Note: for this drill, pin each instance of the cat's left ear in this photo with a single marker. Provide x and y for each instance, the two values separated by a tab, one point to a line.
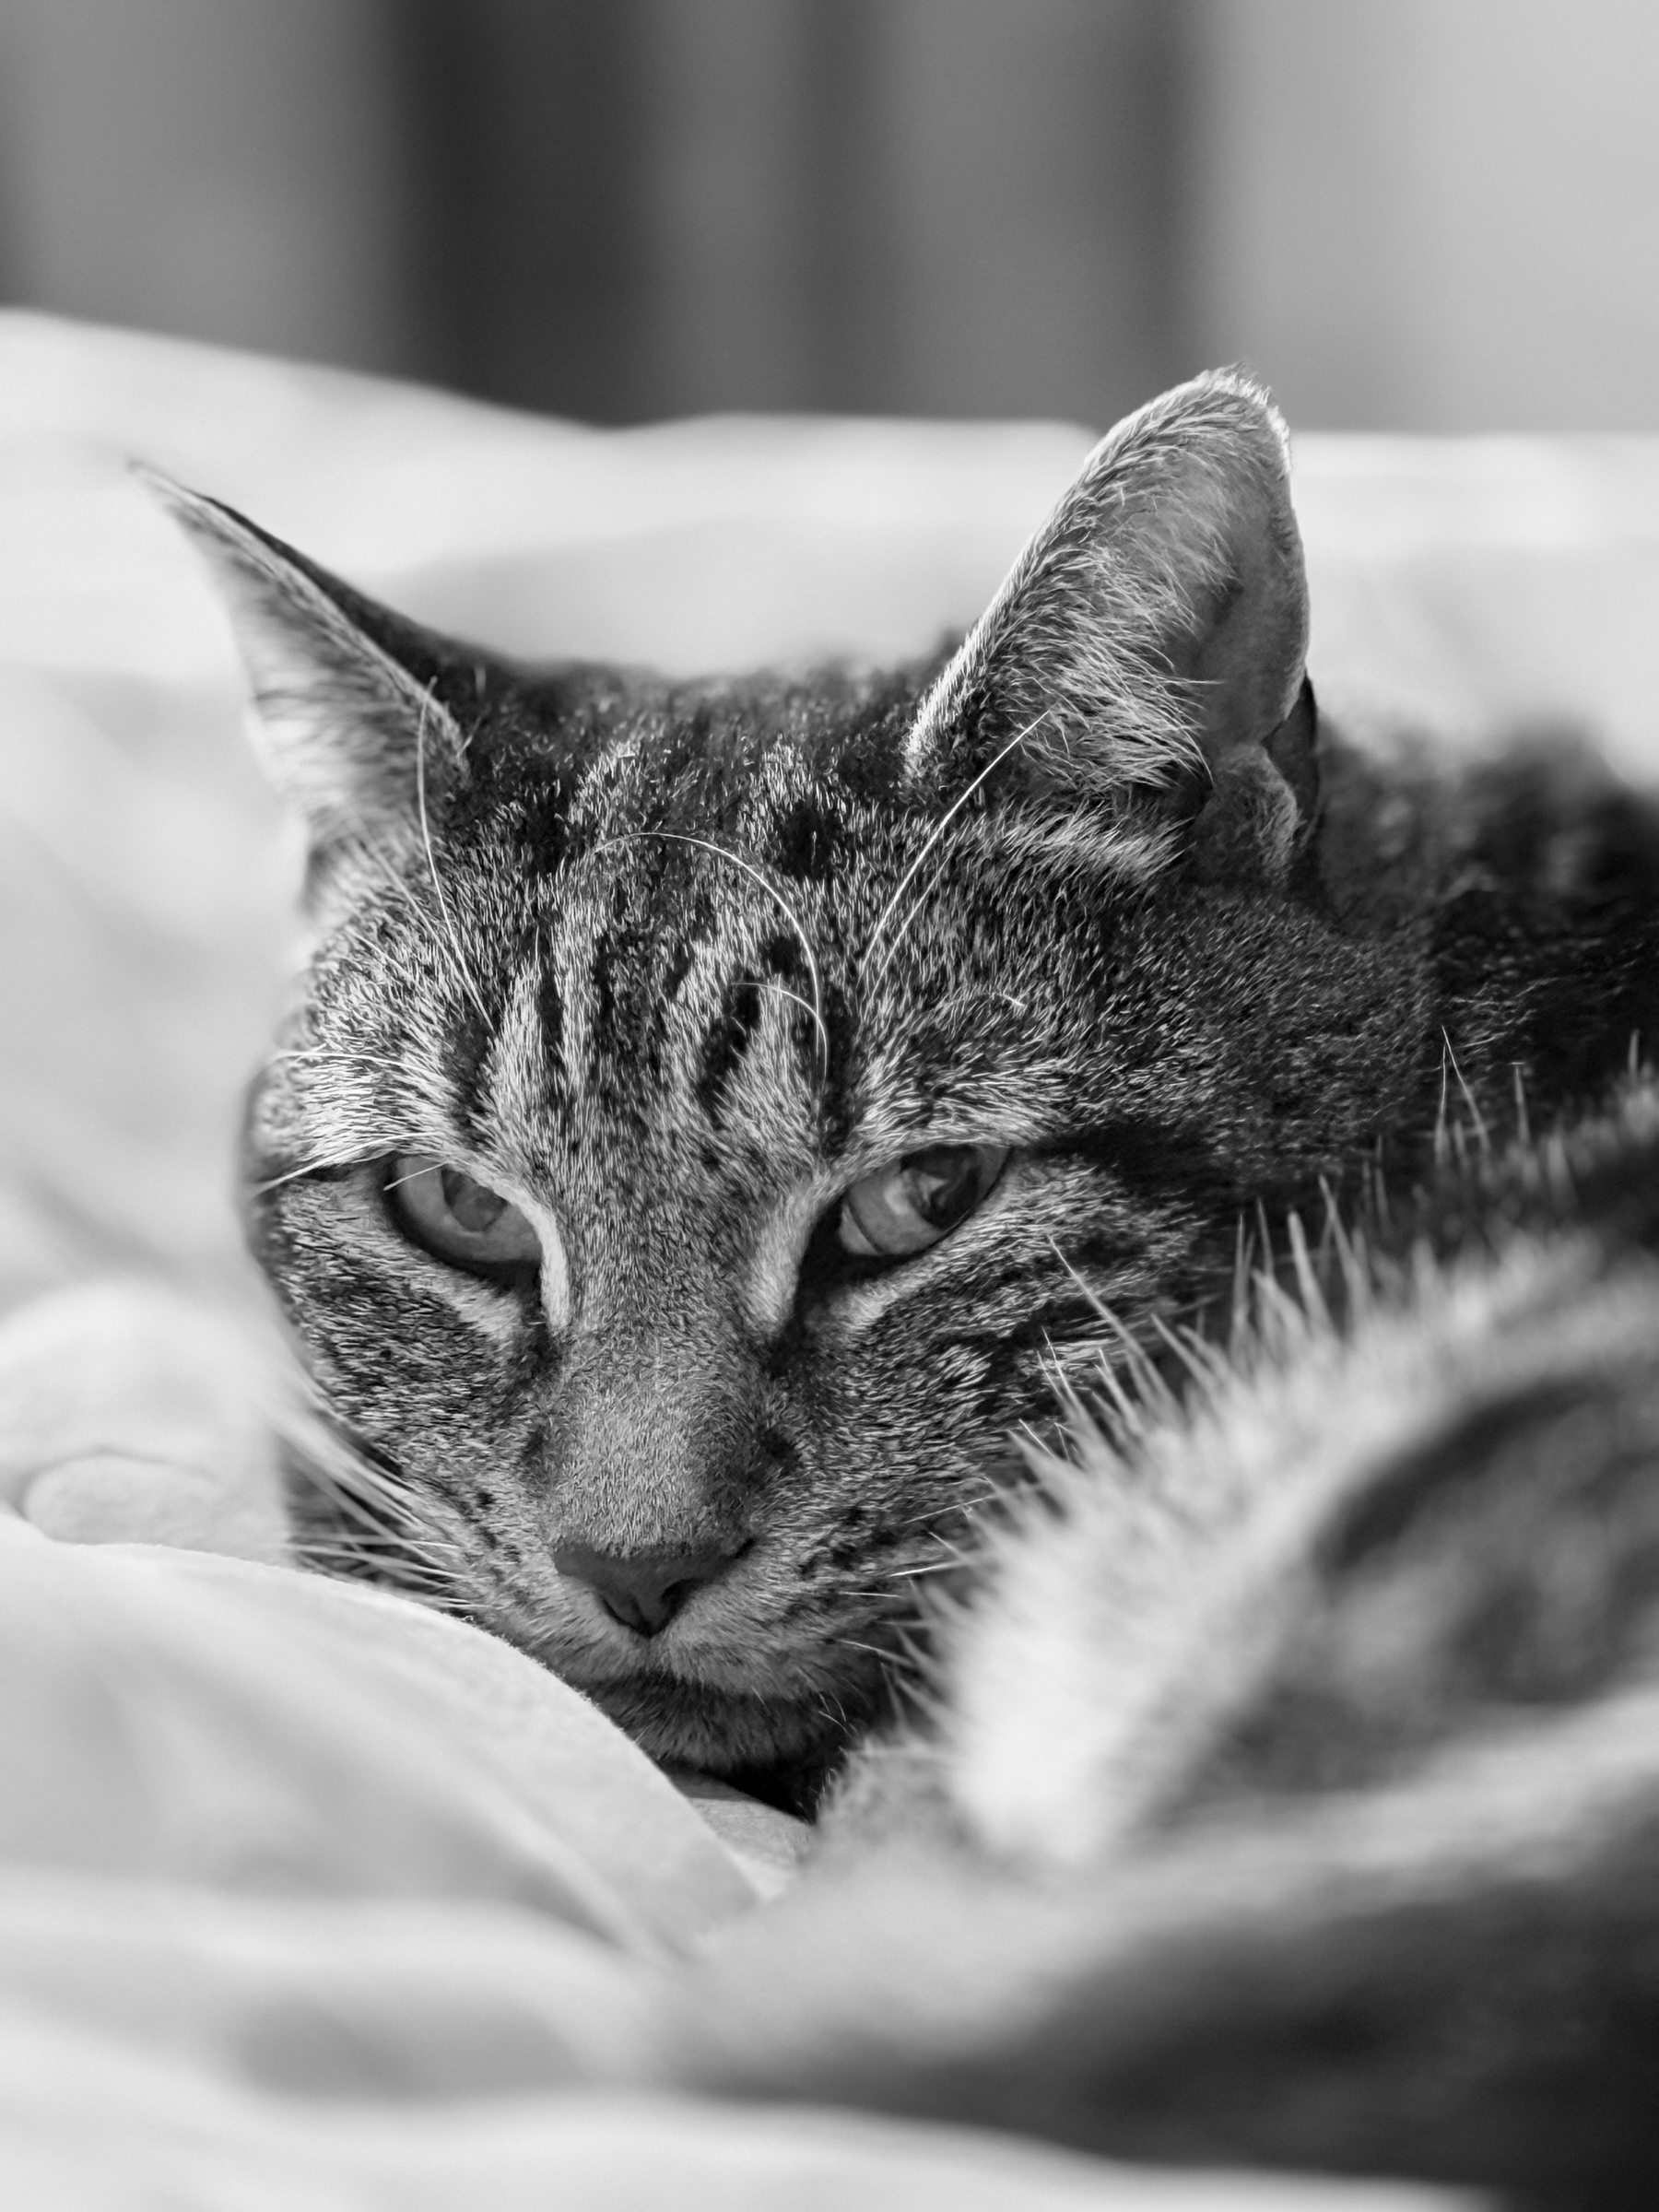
350	725
1146	651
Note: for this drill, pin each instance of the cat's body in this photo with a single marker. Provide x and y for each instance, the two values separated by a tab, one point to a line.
1337	1841
713	1116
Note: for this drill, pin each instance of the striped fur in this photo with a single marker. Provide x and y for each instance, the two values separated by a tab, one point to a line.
671	966
1294	1776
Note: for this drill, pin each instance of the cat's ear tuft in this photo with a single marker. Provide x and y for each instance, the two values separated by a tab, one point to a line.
1148	644
352	736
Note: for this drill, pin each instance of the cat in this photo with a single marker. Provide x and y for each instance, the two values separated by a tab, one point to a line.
1289	1795
714	1115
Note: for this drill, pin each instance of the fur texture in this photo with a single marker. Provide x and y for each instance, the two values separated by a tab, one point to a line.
674	968
1341	1846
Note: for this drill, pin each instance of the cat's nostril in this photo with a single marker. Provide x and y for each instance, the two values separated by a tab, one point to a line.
643	1589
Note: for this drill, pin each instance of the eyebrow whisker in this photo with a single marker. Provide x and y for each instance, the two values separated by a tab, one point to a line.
680	837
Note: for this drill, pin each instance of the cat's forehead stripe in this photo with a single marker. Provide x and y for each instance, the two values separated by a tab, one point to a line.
516	1074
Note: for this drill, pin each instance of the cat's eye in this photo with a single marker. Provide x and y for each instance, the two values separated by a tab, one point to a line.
918	1200
458	1219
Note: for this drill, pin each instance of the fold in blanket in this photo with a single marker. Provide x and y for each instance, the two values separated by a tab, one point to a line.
308	1895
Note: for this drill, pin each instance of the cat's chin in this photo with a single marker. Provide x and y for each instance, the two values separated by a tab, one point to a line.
782	1746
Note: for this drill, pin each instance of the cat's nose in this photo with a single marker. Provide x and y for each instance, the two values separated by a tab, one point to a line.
643	1589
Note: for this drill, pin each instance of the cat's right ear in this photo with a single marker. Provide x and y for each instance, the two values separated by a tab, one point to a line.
1147	649
348	724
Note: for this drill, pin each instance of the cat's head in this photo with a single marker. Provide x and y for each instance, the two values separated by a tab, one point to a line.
713	1113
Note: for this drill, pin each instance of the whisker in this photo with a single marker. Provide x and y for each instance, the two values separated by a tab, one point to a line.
319	1164
1482	1134
794	996
926	1567
432	1167
680	837
417	1544
877	1651
386	1523
938	831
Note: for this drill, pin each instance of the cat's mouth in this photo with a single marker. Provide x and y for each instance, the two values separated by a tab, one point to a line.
729	1696
781	1742
743	1659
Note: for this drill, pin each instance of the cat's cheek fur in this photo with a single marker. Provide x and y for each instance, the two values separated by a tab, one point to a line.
450	1392
788	1646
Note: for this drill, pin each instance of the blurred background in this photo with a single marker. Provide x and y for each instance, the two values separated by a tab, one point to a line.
1434	215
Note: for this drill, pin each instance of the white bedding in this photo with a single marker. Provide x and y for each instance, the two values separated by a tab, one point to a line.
307	1897
312	1898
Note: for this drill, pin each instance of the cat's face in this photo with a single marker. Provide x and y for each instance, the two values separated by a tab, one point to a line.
713	1115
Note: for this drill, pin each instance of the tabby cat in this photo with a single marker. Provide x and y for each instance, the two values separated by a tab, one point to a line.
713	1116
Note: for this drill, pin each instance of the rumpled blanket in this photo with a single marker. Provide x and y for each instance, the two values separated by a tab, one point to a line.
308	1896
311	1897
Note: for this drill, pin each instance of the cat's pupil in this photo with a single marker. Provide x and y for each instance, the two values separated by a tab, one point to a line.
942	1183
472	1206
